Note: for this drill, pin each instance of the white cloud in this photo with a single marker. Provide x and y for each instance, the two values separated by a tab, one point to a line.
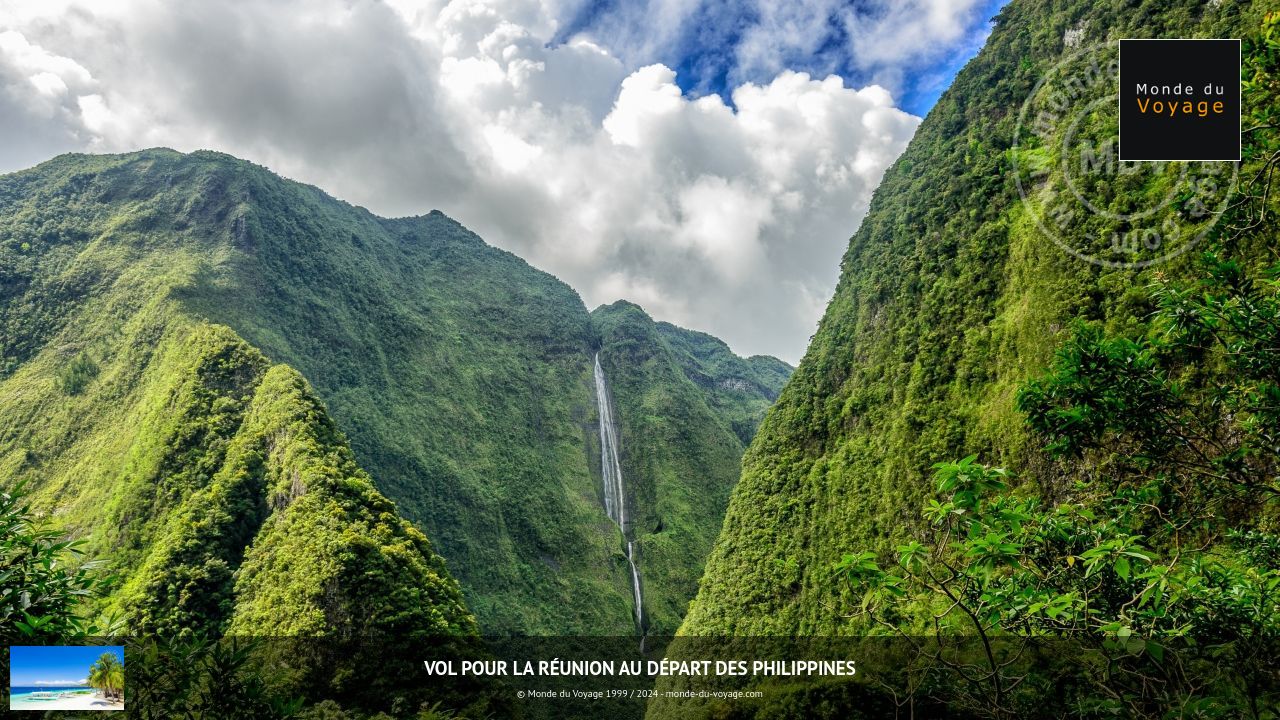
904	35
726	219
899	30
879	35
887	41
39	100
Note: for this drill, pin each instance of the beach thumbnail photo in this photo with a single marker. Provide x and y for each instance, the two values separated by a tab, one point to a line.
66	678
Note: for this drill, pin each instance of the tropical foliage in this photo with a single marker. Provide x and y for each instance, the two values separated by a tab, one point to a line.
951	298
44	578
1147	614
1128	567
107	674
1161	562
193	677
141	296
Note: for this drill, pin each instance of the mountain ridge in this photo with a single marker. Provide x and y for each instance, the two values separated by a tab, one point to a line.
459	373
949	298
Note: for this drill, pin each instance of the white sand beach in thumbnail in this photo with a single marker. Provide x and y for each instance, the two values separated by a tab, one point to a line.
63	700
66	677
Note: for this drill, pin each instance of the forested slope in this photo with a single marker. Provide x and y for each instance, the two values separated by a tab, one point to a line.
683	402
950	299
145	299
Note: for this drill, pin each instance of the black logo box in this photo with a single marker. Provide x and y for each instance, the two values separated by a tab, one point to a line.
1185	67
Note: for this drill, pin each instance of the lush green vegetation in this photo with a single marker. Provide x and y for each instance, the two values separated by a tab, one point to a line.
1129	567
43	579
1158	557
193	677
107	674
218	487
683	403
288	537
77	374
950	298
1161	611
141	296
281	535
738	389
227	456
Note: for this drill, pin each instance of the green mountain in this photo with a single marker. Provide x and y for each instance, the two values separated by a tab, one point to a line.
950	298
739	390
206	370
684	402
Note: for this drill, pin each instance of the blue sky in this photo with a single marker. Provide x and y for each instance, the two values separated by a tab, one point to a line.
706	159
31	666
821	37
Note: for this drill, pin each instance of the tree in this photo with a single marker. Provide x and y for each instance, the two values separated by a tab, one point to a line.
1142	578
1155	562
43	579
195	677
1147	621
107	674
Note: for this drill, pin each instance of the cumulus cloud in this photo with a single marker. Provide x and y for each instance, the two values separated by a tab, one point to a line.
888	42
41	98
723	214
906	35
873	35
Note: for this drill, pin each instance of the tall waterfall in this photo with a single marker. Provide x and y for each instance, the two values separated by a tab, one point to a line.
615	496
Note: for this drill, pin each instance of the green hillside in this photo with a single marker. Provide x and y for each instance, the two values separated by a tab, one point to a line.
146	301
738	389
950	299
682	398
235	502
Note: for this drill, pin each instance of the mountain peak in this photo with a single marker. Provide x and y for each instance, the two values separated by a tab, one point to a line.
457	375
